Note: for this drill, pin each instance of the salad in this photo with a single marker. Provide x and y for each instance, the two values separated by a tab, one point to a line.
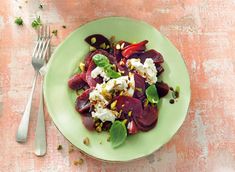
121	87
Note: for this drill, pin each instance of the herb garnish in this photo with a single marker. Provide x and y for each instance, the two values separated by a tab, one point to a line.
118	133
36	23
152	94
19	21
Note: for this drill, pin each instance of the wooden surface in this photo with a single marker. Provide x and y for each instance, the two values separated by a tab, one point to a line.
203	31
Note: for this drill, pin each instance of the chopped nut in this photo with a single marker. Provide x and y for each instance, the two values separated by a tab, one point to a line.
122	63
121	93
122	46
103	46
123	105
93	40
146	103
86	141
97	123
82	66
118	47
124	121
113	105
71	148
120	111
78	162
98	129
132	67
107	47
59	147
129	113
139	89
92	48
112	39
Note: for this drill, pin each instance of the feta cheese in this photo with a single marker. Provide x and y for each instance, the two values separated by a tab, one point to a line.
147	70
104	114
99	71
98	99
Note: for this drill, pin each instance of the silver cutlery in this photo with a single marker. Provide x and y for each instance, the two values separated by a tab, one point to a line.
40	145
38	60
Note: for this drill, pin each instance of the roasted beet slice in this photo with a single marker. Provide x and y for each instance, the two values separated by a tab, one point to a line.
77	81
82	104
88	122
98	41
160	69
148	119
156	56
139	87
162	89
106	125
92	81
127	104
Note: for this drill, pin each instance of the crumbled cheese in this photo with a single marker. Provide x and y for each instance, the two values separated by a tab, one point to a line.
97	99
99	71
104	114
147	70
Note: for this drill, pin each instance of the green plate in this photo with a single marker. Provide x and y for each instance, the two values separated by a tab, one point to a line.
60	99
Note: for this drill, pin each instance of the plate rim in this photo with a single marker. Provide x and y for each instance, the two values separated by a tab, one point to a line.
66	39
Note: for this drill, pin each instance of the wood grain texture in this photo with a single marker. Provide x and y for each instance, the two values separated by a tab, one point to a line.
203	31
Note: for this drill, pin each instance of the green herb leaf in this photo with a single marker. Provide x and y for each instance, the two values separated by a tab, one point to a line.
118	134
102	61
112	73
19	21
152	94
36	23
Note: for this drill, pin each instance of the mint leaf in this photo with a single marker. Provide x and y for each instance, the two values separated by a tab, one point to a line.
118	134
152	94
19	21
100	60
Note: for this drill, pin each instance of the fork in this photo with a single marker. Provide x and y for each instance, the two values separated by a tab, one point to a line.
38	59
40	145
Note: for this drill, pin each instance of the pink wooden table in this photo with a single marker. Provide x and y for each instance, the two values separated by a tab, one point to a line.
204	32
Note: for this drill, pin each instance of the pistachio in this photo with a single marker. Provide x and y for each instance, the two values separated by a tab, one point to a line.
92	48
59	147
146	103
78	162
86	141
82	66
121	93
118	47
139	89
122	63
107	47
113	105
93	40
129	113
124	121
132	67
103	45
123	105
98	129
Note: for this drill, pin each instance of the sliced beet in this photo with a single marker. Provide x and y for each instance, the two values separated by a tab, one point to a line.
153	54
162	89
77	81
82	104
127	104
148	119
139	87
88	122
123	69
98	41
160	69
106	125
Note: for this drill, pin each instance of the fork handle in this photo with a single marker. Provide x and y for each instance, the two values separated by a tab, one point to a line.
40	134
22	132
